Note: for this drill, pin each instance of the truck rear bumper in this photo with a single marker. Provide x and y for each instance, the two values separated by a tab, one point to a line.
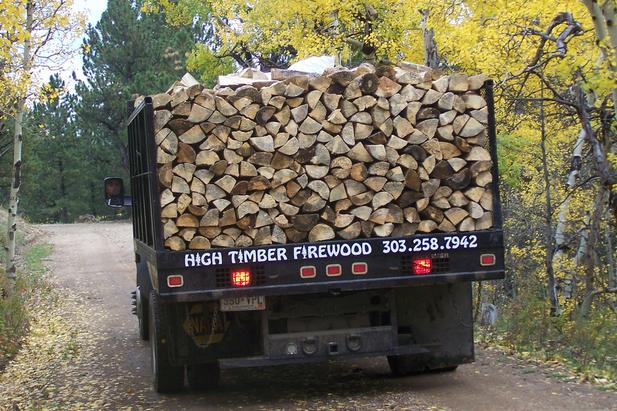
331	286
386	263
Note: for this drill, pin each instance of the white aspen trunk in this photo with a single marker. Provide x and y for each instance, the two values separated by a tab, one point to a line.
597	17
560	237
17	146
609	14
608	10
575	168
603	18
581	251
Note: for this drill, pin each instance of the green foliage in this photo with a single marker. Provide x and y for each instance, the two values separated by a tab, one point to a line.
509	149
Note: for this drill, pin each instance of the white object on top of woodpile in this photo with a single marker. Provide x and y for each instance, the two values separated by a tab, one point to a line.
188	80
252	73
414	66
315	65
244	76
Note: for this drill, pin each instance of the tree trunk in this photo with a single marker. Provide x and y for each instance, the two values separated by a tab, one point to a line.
17	144
610	251
551	288
603	18
431	58
598	150
64	212
581	251
560	238
594	237
478	306
586	254
589	256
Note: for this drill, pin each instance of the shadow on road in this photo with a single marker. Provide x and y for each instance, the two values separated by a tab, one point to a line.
334	382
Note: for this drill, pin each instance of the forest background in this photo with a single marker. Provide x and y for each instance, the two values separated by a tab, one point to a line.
554	66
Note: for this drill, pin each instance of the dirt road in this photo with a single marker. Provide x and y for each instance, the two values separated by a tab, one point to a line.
87	355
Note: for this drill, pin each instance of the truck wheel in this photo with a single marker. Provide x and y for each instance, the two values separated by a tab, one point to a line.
166	378
402	365
203	376
141	309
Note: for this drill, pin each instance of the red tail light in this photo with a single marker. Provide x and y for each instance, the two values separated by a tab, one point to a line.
308	272
422	266
174	281
333	270
359	268
487	259
241	278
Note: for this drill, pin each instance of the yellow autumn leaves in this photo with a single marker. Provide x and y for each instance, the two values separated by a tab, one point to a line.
56	25
475	35
11	34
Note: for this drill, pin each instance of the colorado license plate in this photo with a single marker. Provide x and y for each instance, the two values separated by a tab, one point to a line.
243	303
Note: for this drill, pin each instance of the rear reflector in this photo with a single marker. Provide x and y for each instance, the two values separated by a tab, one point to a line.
333	270
174	281
422	266
241	278
359	268
308	272
487	259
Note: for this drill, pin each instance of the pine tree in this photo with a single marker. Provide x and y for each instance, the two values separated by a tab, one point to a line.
54	170
125	54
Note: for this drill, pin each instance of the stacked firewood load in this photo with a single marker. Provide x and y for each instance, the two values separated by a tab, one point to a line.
352	153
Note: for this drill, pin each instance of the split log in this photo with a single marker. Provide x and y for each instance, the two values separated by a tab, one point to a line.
321	232
175	243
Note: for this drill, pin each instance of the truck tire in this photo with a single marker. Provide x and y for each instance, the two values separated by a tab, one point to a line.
143	317
166	378
203	376
402	365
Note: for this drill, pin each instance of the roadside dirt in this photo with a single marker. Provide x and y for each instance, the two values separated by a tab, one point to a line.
85	354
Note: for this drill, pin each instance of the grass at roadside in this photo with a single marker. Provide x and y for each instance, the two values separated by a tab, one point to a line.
31	288
582	350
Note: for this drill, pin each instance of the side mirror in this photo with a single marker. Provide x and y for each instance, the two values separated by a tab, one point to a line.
114	193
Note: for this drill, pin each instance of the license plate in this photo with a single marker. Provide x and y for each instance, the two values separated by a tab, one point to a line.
243	303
